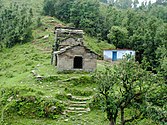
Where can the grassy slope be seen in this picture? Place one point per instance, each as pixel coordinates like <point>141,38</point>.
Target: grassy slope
<point>15,72</point>
<point>97,46</point>
<point>18,62</point>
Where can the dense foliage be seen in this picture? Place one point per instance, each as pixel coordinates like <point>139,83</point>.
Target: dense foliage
<point>132,92</point>
<point>15,25</point>
<point>162,56</point>
<point>122,22</point>
<point>25,101</point>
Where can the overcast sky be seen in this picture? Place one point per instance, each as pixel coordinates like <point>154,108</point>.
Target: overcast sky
<point>147,0</point>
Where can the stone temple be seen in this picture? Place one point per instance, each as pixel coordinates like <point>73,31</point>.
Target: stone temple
<point>69,52</point>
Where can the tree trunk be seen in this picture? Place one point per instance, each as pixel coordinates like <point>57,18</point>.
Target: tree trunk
<point>122,117</point>
<point>112,122</point>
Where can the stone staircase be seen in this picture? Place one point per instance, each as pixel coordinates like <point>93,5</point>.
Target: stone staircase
<point>78,104</point>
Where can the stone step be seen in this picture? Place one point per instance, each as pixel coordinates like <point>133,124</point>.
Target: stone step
<point>77,102</point>
<point>77,105</point>
<point>71,111</point>
<point>78,109</point>
<point>78,98</point>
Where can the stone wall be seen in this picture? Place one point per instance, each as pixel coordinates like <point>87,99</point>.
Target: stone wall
<point>70,42</point>
<point>66,59</point>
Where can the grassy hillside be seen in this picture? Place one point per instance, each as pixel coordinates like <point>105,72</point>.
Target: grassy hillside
<point>24,98</point>
<point>19,86</point>
<point>96,45</point>
<point>30,86</point>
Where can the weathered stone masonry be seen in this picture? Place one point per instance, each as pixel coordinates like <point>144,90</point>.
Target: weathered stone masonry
<point>70,53</point>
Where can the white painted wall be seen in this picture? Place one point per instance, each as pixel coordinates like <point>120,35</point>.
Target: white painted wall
<point>107,54</point>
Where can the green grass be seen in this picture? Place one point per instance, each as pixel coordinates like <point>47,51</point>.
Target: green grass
<point>92,118</point>
<point>96,45</point>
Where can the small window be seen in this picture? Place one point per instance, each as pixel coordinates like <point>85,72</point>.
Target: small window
<point>78,62</point>
<point>130,53</point>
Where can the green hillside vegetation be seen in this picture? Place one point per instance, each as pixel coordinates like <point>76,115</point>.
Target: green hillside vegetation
<point>32,91</point>
<point>25,98</point>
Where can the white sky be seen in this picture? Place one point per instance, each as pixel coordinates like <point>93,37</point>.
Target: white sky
<point>140,1</point>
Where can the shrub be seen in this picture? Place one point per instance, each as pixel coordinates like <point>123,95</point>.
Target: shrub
<point>28,102</point>
<point>87,92</point>
<point>96,102</point>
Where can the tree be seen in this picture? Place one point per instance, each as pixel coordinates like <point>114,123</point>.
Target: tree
<point>118,36</point>
<point>123,4</point>
<point>125,88</point>
<point>86,15</point>
<point>15,25</point>
<point>152,39</point>
<point>58,8</point>
<point>111,2</point>
<point>159,11</point>
<point>104,1</point>
<point>145,34</point>
<point>135,3</point>
<point>163,2</point>
<point>1,5</point>
<point>156,106</point>
<point>161,54</point>
<point>82,14</point>
<point>49,8</point>
<point>112,17</point>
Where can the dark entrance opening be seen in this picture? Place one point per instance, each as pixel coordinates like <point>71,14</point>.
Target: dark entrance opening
<point>78,62</point>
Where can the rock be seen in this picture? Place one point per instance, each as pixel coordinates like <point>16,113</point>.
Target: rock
<point>79,114</point>
<point>52,108</point>
<point>46,36</point>
<point>66,120</point>
<point>38,65</point>
<point>69,96</point>
<point>10,99</point>
<point>63,113</point>
<point>33,72</point>
<point>39,77</point>
<point>73,119</point>
<point>52,21</point>
<point>88,109</point>
<point>61,102</point>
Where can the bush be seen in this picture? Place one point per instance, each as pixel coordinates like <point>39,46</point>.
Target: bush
<point>77,92</point>
<point>96,102</point>
<point>28,102</point>
<point>32,106</point>
<point>61,96</point>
